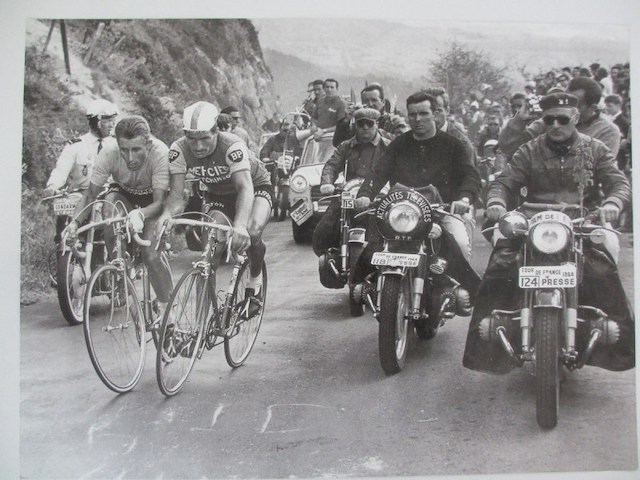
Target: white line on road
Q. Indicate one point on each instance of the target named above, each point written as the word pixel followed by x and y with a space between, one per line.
pixel 216 414
pixel 96 427
pixel 132 446
pixel 89 474
pixel 270 414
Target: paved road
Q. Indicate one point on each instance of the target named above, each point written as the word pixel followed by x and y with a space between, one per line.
pixel 311 401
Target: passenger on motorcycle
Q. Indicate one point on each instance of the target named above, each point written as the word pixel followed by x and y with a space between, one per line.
pixel 556 167
pixel 420 157
pixel 138 165
pixel 75 164
pixel 288 134
pixel 360 153
pixel 237 184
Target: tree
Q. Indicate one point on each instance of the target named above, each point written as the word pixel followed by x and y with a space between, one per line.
pixel 461 70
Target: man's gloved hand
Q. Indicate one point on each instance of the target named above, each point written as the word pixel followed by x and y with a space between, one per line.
pixel 71 233
pixel 136 220
pixel 327 189
pixel 460 207
pixel 609 212
pixel 362 202
pixel 494 212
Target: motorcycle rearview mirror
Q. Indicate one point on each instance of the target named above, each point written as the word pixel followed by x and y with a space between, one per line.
pixel 597 236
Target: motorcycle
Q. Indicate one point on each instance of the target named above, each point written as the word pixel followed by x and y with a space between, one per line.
pixel 413 290
pixel 70 268
pixel 336 266
pixel 553 326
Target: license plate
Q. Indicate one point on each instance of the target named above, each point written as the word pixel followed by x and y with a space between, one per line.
pixel 348 202
pixel 64 208
pixel 386 259
pixel 561 276
pixel 301 213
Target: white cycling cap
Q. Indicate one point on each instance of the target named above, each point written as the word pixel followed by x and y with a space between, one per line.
pixel 200 117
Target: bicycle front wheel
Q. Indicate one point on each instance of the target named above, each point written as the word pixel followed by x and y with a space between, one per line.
pixel 114 328
pixel 246 318
pixel 182 330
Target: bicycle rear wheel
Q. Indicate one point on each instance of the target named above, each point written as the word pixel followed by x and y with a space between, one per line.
pixel 114 328
pixel 182 330
pixel 238 345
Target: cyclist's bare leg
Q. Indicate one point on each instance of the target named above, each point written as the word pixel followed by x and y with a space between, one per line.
pixel 260 214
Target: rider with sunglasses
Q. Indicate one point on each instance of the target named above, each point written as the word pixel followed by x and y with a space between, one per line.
pixel 552 166
pixel 519 129
pixel 359 153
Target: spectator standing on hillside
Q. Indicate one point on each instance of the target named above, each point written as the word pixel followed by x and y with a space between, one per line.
pixel 602 77
pixel 491 131
pixel 330 110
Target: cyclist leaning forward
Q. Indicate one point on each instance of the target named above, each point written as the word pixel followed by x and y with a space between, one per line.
pixel 237 184
pixel 138 166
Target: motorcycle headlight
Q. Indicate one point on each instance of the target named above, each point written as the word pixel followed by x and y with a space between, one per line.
pixel 549 237
pixel 512 224
pixel 404 217
pixel 299 184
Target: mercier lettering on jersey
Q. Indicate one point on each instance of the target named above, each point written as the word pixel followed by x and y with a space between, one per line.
pixel 230 155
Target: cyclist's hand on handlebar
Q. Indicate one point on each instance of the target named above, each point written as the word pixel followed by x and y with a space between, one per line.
pixel 164 224
pixel 362 202
pixel 327 189
pixel 71 232
pixel 494 212
pixel 460 207
pixel 609 212
pixel 136 220
pixel 240 240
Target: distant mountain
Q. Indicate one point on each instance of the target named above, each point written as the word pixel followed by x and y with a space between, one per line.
pixel 404 50
pixel 291 75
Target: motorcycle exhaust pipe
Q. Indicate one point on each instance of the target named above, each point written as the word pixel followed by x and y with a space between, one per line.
pixel 502 334
pixel 604 331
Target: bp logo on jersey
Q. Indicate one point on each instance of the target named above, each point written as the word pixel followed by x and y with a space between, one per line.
pixel 236 156
pixel 173 154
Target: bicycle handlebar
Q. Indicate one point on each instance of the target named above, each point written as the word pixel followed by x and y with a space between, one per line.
pixel 109 221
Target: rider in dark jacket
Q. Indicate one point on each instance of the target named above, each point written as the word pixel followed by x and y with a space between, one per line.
pixel 560 166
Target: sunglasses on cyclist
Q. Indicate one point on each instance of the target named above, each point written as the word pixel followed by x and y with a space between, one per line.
pixel 561 119
pixel 365 122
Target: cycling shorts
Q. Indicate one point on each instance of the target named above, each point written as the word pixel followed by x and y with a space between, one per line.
pixel 227 203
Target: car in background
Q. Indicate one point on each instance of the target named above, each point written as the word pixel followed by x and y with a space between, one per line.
pixel 306 207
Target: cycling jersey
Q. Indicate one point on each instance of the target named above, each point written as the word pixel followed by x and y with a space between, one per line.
pixel 152 175
pixel 229 156
pixel 75 164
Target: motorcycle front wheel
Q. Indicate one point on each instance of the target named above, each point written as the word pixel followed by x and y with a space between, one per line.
pixel 547 323
pixel 393 327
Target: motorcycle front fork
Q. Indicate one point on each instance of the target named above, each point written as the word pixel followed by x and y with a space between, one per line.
pixel 570 323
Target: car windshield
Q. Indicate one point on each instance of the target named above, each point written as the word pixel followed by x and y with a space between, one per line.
pixel 317 152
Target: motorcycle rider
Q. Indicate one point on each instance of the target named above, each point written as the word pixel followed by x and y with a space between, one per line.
pixel 360 153
pixel 137 162
pixel 75 164
pixel 427 156
pixel 520 129
pixel 556 167
pixel 237 183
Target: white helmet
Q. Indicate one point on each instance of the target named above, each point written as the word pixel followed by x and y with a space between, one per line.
pixel 101 108
pixel 200 117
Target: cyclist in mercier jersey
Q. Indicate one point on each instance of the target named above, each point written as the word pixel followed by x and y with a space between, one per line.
pixel 237 183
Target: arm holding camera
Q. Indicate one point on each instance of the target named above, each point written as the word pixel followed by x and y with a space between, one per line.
pixel 519 129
